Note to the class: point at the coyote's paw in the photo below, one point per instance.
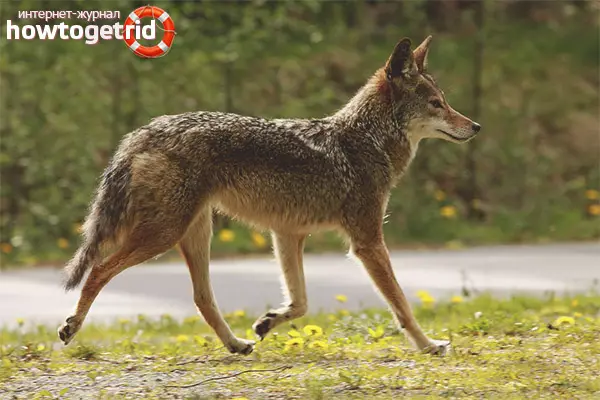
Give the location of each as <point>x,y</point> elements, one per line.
<point>438,347</point>
<point>264,324</point>
<point>68,329</point>
<point>241,346</point>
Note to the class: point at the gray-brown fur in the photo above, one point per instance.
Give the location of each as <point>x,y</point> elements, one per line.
<point>289,176</point>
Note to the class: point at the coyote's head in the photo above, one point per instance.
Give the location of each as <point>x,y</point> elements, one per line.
<point>418,103</point>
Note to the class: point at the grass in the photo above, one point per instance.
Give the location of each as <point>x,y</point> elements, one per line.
<point>516,348</point>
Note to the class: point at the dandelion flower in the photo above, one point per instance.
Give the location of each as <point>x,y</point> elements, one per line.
<point>182,338</point>
<point>259,240</point>
<point>574,303</point>
<point>564,320</point>
<point>439,195</point>
<point>318,344</point>
<point>294,333</point>
<point>226,235</point>
<point>594,209</point>
<point>313,330</point>
<point>425,297</point>
<point>456,299</point>
<point>341,298</point>
<point>200,341</point>
<point>592,194</point>
<point>239,313</point>
<point>448,212</point>
<point>377,333</point>
<point>294,343</point>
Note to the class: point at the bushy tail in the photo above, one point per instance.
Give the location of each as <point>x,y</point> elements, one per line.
<point>85,257</point>
<point>107,214</point>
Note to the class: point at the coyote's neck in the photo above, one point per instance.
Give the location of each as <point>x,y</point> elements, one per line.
<point>370,112</point>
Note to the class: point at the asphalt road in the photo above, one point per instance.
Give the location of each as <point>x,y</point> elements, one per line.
<point>253,284</point>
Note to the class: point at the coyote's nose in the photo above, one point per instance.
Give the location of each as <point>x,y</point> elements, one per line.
<point>476,127</point>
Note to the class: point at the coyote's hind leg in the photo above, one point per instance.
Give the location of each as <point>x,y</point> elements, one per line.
<point>288,249</point>
<point>144,243</point>
<point>195,248</point>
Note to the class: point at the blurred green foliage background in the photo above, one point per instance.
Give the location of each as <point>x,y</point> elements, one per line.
<point>528,71</point>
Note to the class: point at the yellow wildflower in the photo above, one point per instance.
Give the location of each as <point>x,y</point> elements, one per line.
<point>448,212</point>
<point>294,333</point>
<point>62,243</point>
<point>239,313</point>
<point>321,344</point>
<point>594,209</point>
<point>377,333</point>
<point>41,347</point>
<point>226,235</point>
<point>341,298</point>
<point>200,341</point>
<point>577,314</point>
<point>592,194</point>
<point>456,299</point>
<point>344,312</point>
<point>294,343</point>
<point>182,338</point>
<point>574,303</point>
<point>331,318</point>
<point>259,240</point>
<point>439,195</point>
<point>20,321</point>
<point>6,248</point>
<point>564,320</point>
<point>313,330</point>
<point>425,298</point>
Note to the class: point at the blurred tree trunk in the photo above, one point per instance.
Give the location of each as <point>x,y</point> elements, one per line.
<point>473,190</point>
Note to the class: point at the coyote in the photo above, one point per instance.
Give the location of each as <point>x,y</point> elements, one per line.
<point>291,176</point>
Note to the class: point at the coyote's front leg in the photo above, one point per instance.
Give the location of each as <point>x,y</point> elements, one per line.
<point>375,258</point>
<point>288,250</point>
<point>195,248</point>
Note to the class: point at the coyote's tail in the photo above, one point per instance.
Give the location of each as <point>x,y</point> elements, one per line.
<point>108,213</point>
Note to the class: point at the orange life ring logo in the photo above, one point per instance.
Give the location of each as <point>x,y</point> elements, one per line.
<point>163,46</point>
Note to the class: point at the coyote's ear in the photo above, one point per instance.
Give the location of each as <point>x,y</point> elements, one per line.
<point>402,62</point>
<point>420,54</point>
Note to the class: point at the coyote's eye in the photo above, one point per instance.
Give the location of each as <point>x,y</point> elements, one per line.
<point>436,103</point>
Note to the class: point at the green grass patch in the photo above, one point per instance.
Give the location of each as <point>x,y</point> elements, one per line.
<point>515,348</point>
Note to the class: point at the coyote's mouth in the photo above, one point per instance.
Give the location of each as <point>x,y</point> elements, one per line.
<point>452,136</point>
